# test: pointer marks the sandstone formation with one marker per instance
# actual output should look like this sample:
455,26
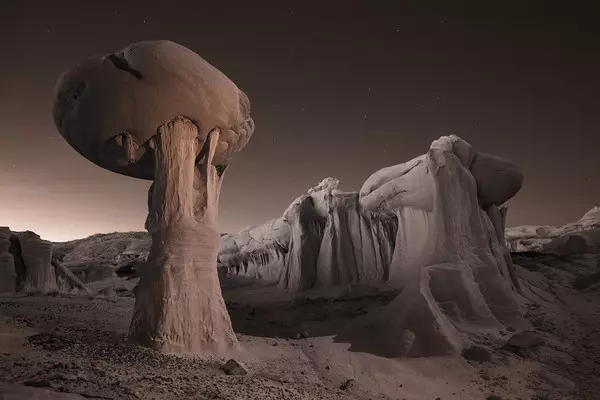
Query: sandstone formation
111,248
447,260
25,263
430,226
158,111
583,234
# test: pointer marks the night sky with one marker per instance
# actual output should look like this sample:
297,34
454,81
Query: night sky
337,89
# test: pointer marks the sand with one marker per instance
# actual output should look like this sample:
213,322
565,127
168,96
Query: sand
75,343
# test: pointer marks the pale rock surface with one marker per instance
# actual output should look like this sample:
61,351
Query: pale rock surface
156,110
448,261
323,239
257,251
584,232
335,239
431,227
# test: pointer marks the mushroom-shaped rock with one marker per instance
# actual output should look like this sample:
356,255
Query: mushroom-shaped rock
158,111
109,107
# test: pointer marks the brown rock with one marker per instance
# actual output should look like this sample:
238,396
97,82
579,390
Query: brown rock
158,111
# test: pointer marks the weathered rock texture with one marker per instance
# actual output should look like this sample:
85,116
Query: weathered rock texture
25,263
323,239
158,111
109,248
430,226
579,236
448,259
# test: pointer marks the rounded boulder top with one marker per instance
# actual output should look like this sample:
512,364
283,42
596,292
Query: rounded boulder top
108,107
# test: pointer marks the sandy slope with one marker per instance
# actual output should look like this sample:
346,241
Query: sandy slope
77,344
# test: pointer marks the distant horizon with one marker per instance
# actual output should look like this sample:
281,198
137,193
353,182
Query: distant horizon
63,240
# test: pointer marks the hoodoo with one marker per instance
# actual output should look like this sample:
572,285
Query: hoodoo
157,111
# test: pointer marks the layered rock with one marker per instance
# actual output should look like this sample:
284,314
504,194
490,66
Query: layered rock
258,251
431,227
582,235
324,238
25,263
330,237
448,259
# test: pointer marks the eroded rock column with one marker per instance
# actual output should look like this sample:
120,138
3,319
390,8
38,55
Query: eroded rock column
179,305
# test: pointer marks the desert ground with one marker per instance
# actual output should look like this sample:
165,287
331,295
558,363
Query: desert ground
73,345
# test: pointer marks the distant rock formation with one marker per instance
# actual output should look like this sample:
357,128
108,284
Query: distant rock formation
25,263
579,236
330,237
110,248
430,226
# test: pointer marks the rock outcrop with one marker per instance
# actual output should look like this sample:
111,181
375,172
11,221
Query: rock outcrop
330,237
430,226
257,252
110,248
157,111
25,263
448,259
580,236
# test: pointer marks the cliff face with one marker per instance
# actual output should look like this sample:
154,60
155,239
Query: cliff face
25,263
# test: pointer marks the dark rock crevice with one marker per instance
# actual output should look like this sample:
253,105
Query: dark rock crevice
120,62
20,267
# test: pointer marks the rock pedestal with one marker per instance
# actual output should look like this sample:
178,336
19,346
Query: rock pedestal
179,307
